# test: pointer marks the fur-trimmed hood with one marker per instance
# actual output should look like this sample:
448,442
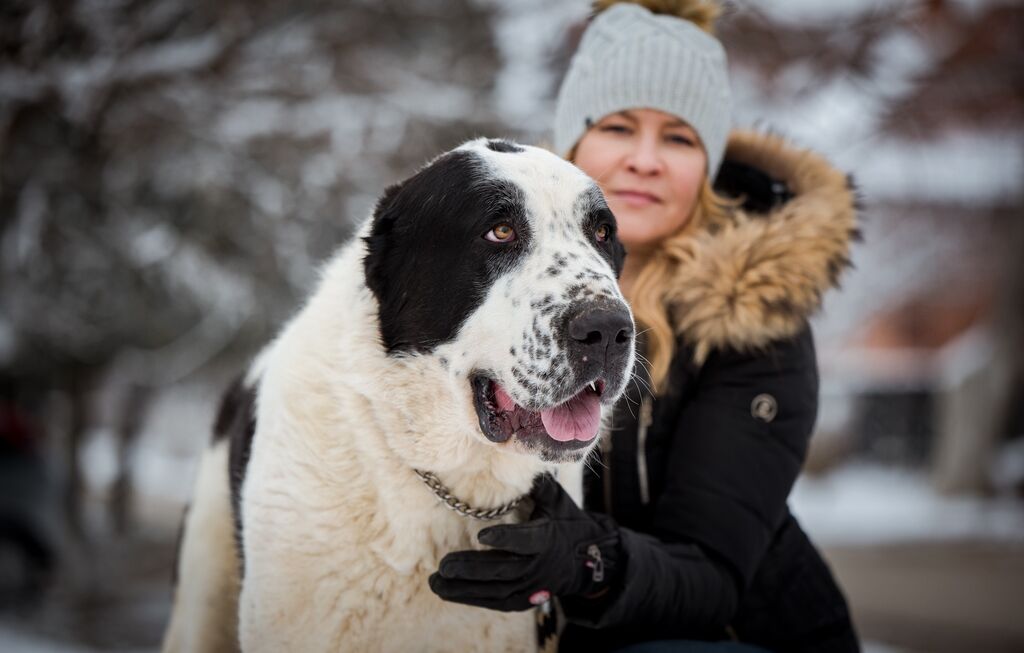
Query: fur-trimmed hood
759,277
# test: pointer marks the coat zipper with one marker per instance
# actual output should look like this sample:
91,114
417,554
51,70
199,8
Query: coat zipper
646,417
596,563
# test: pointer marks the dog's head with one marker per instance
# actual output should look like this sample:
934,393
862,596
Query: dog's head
500,261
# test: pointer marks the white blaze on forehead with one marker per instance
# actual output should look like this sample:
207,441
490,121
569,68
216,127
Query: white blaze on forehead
546,179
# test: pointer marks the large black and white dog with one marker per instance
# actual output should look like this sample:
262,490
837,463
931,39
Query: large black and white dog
471,336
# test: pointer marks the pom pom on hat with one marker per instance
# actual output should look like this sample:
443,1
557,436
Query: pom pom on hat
701,13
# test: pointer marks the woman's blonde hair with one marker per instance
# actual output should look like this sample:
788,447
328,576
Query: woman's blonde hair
647,296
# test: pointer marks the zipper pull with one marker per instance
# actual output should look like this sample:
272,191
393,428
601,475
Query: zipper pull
595,563
644,422
646,413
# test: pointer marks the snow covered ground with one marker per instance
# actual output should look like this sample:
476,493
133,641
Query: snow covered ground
865,503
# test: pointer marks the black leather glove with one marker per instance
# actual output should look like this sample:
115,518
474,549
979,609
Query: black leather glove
562,551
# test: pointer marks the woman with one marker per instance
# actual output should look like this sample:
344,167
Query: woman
687,537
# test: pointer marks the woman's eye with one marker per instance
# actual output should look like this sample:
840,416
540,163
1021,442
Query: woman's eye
614,129
502,233
603,233
680,139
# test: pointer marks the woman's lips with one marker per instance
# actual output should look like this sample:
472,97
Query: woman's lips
636,197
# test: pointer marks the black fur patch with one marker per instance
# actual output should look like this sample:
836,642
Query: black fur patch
236,421
501,145
427,260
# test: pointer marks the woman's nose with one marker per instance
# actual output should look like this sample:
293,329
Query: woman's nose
645,158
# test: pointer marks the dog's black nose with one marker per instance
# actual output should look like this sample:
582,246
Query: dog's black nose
600,336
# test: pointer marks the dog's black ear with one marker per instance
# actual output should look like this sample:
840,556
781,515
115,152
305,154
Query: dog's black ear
426,261
385,217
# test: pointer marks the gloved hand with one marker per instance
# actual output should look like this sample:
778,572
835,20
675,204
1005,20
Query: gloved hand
562,551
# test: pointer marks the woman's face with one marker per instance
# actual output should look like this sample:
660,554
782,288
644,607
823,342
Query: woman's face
650,166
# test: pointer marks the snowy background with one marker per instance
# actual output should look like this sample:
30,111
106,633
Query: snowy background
172,172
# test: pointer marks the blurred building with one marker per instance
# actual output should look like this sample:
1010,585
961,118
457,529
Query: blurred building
922,102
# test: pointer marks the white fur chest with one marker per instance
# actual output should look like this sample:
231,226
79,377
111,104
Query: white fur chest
345,568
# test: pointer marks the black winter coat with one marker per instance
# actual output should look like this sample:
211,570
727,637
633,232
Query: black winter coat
698,478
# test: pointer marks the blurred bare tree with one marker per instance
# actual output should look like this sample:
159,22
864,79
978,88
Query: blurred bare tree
171,172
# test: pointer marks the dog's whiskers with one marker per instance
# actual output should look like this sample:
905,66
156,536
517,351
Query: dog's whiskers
641,382
595,457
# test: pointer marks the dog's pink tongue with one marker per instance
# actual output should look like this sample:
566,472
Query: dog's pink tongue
576,419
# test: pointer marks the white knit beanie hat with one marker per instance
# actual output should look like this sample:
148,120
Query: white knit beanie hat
631,58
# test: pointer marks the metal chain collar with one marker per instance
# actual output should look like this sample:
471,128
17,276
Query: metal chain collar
451,501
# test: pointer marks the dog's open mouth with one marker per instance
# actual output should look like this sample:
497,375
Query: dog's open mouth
573,424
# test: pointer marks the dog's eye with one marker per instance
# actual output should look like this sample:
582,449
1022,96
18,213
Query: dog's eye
602,233
502,233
